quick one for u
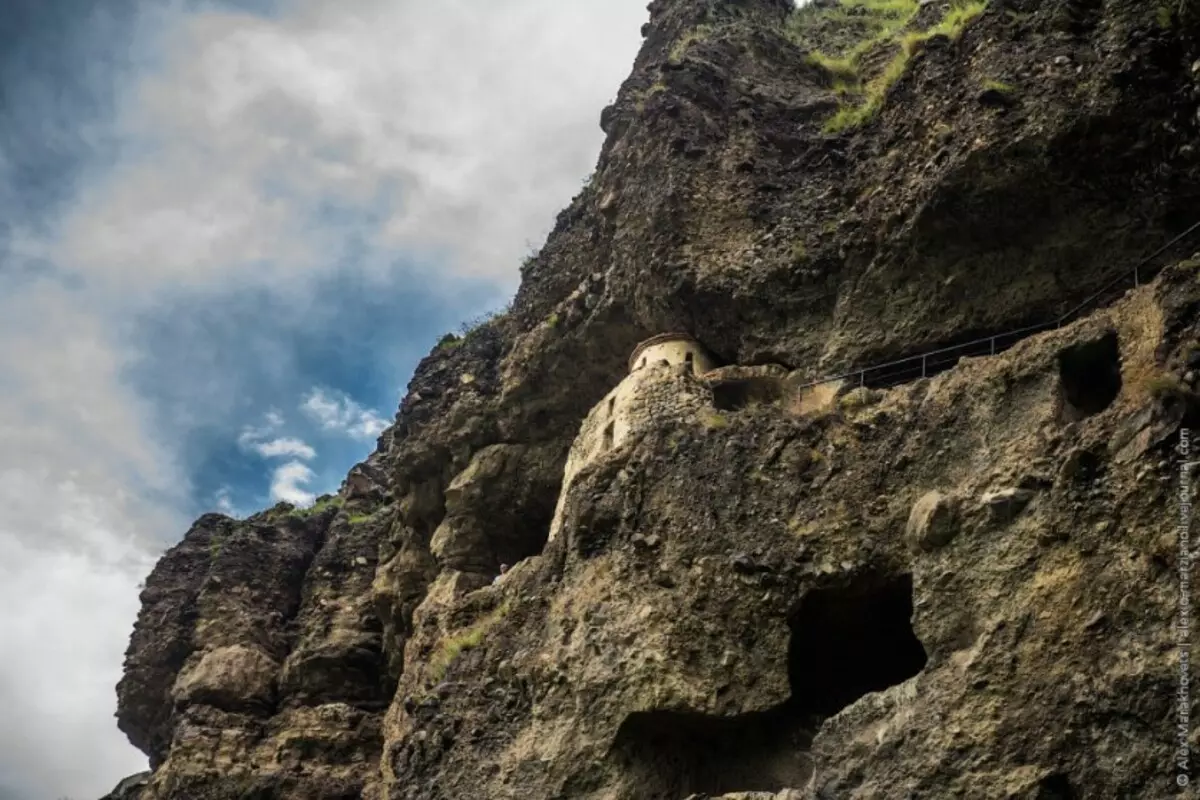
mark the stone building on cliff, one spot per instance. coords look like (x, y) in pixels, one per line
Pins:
(653, 386)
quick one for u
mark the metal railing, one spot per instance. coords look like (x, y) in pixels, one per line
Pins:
(924, 365)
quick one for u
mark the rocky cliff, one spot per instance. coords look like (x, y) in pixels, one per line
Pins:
(955, 586)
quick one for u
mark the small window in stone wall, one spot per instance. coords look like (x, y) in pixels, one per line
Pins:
(642, 364)
(690, 360)
(608, 436)
(612, 402)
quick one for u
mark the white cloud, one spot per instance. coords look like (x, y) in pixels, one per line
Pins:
(286, 447)
(286, 484)
(255, 154)
(335, 411)
(423, 121)
(88, 498)
(257, 439)
(223, 502)
(272, 421)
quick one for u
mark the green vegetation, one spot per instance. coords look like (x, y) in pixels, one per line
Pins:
(850, 28)
(1006, 89)
(475, 323)
(323, 504)
(214, 546)
(465, 330)
(640, 102)
(1164, 15)
(469, 639)
(698, 34)
(871, 25)
(960, 15)
(358, 519)
(553, 320)
(799, 253)
(849, 116)
(713, 420)
(843, 68)
(1164, 385)
(855, 398)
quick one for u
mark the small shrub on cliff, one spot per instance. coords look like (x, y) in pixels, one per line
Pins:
(475, 323)
(799, 253)
(469, 639)
(1164, 15)
(1164, 384)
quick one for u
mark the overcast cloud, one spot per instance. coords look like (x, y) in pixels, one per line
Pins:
(227, 233)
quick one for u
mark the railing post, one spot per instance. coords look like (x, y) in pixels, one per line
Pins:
(923, 366)
(862, 378)
(1137, 276)
(993, 345)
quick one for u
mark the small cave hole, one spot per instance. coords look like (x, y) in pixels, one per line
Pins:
(612, 404)
(848, 642)
(1056, 786)
(690, 360)
(844, 643)
(731, 395)
(1090, 376)
(608, 437)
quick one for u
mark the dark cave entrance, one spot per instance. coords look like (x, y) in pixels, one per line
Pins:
(734, 394)
(1090, 376)
(850, 641)
(845, 642)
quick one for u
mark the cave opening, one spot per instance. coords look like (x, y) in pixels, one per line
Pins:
(844, 643)
(1090, 376)
(850, 641)
(1056, 786)
(735, 394)
(731, 395)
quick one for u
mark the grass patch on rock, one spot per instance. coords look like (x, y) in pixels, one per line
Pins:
(452, 647)
(853, 29)
(322, 504)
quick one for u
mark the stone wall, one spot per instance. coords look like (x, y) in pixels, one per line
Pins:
(658, 390)
(673, 351)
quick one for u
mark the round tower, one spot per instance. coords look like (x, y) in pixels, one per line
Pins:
(671, 348)
(643, 397)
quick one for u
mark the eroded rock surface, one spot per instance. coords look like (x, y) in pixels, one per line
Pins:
(957, 586)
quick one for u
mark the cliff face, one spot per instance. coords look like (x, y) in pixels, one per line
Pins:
(957, 586)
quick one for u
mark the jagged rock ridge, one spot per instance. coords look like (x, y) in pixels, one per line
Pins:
(956, 587)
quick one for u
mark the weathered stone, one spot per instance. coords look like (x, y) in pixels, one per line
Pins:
(130, 788)
(1006, 504)
(744, 681)
(230, 678)
(933, 521)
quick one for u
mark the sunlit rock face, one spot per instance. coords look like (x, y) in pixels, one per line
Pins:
(961, 585)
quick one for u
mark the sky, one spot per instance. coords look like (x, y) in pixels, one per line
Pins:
(228, 232)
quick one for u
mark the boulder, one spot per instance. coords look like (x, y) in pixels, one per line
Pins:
(933, 521)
